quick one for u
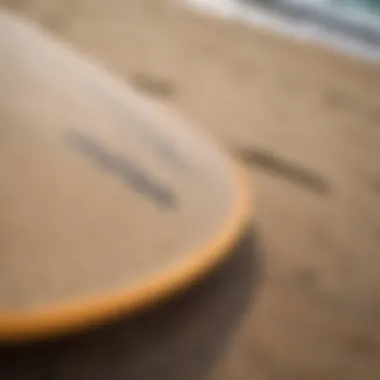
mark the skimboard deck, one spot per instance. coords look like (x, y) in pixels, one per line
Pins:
(306, 119)
(108, 202)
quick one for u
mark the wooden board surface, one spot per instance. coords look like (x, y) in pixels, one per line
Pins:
(307, 122)
(107, 201)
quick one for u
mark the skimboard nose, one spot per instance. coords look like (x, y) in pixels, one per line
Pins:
(108, 201)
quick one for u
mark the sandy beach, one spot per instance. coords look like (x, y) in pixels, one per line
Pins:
(306, 121)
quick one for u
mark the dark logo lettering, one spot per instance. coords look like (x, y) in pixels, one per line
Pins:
(129, 172)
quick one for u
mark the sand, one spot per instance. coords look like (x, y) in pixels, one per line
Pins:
(306, 121)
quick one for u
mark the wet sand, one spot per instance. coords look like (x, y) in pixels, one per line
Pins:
(306, 121)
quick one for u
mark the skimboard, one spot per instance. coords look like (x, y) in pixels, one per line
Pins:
(109, 202)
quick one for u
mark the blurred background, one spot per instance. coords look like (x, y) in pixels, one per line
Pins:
(292, 89)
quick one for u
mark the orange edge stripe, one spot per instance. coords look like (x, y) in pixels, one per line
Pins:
(74, 316)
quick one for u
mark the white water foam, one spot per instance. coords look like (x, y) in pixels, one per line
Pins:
(299, 29)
